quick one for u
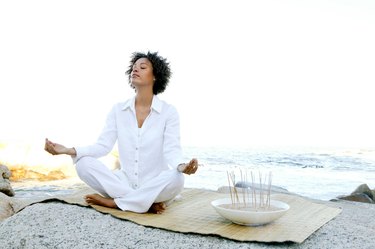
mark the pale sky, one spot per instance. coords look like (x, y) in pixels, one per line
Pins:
(249, 73)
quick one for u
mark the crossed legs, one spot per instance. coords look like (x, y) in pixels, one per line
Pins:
(115, 193)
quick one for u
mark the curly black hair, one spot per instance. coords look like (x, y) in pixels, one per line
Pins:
(160, 66)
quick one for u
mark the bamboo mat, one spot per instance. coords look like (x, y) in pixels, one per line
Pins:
(193, 213)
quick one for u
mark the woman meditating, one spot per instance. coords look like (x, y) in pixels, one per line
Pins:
(147, 131)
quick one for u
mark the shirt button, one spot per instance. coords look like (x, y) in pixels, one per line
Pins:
(136, 161)
(136, 173)
(136, 148)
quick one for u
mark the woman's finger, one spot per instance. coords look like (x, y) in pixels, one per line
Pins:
(188, 169)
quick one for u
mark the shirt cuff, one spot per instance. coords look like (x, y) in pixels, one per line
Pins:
(80, 152)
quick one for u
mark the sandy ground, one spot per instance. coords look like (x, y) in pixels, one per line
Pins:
(59, 225)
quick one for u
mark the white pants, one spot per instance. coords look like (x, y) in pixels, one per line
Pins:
(166, 186)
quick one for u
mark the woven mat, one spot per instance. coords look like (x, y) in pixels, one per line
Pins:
(194, 214)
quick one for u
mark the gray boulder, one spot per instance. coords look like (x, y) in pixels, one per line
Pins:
(11, 205)
(242, 186)
(363, 189)
(5, 186)
(361, 194)
(357, 197)
(5, 207)
(277, 189)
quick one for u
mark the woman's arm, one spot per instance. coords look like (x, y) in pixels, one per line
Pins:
(105, 141)
(172, 146)
(102, 147)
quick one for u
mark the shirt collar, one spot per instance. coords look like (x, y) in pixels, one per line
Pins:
(156, 104)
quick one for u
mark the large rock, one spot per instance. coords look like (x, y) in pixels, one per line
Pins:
(12, 205)
(241, 187)
(361, 194)
(357, 197)
(6, 209)
(363, 189)
(22, 173)
(5, 186)
(256, 186)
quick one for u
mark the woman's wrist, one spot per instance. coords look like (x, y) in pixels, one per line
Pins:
(71, 151)
(181, 167)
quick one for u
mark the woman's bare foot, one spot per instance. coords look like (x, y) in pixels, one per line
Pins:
(189, 168)
(96, 199)
(157, 208)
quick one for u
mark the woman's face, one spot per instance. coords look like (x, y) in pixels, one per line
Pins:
(142, 73)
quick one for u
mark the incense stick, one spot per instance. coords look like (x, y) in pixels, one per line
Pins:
(260, 199)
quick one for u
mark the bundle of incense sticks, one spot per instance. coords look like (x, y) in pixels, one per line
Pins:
(250, 196)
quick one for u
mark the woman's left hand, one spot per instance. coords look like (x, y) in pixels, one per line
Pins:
(189, 168)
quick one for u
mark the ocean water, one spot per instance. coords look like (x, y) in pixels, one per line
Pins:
(316, 173)
(313, 172)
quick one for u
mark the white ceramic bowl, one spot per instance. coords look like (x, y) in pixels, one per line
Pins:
(250, 218)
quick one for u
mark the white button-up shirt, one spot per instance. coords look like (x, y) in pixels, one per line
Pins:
(143, 152)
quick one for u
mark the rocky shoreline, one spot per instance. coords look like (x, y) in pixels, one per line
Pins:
(362, 193)
(5, 186)
(59, 225)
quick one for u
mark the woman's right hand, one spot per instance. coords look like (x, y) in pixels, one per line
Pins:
(58, 149)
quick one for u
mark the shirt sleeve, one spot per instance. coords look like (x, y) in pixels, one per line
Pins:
(172, 146)
(105, 141)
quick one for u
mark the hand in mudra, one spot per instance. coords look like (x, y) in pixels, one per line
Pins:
(54, 148)
(189, 168)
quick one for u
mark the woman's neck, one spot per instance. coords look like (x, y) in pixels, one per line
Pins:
(144, 98)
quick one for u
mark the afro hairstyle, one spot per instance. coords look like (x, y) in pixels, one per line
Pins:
(161, 70)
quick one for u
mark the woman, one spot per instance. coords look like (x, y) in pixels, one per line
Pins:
(147, 132)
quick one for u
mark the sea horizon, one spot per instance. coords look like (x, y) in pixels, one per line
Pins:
(319, 173)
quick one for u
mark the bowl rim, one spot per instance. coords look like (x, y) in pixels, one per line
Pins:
(287, 207)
